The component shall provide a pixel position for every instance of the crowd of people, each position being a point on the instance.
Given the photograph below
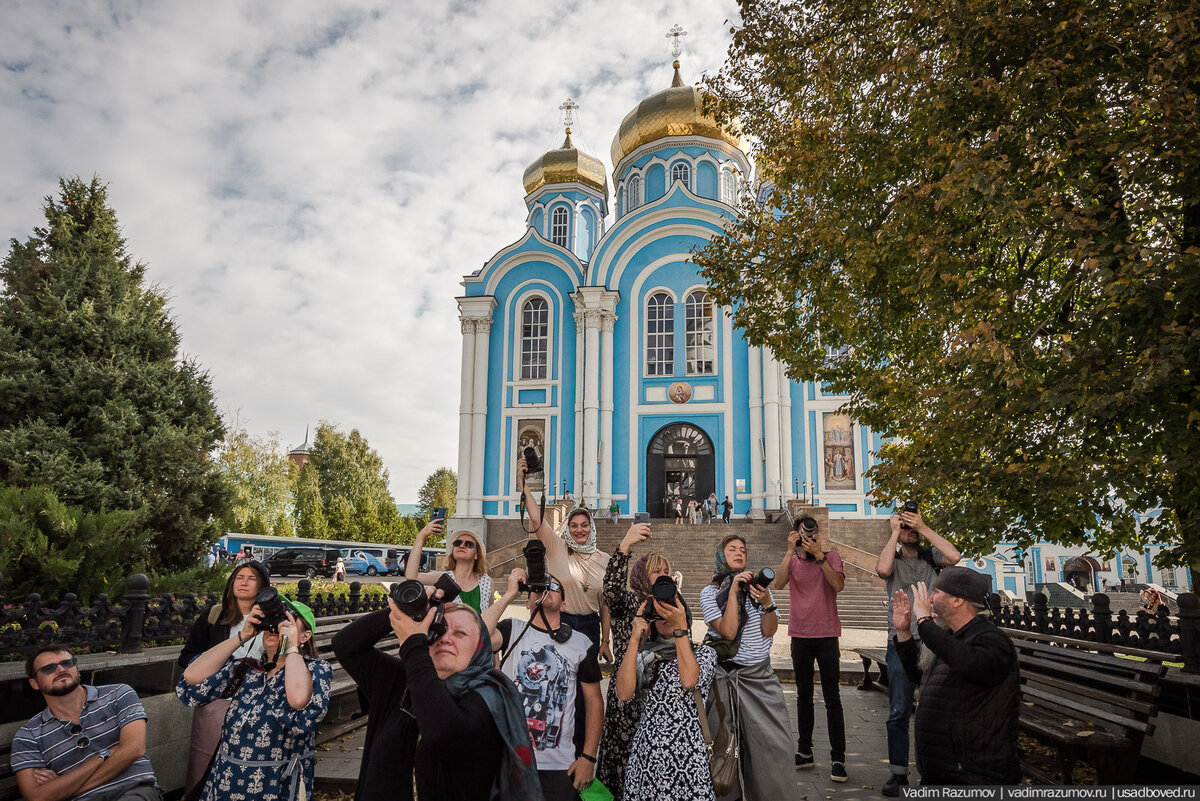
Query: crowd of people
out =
(477, 705)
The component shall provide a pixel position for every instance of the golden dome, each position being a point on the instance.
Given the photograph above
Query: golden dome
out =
(677, 111)
(564, 166)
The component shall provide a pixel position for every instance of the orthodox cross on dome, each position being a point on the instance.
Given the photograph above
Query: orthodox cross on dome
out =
(677, 33)
(568, 109)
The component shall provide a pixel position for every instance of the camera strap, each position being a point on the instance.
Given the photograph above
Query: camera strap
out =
(541, 514)
(560, 635)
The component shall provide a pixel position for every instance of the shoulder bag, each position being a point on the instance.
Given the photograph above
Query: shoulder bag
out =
(724, 763)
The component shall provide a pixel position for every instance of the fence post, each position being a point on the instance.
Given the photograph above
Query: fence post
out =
(1189, 631)
(138, 596)
(1040, 612)
(304, 591)
(355, 595)
(1102, 617)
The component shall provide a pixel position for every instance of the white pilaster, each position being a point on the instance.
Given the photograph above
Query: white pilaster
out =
(483, 327)
(591, 405)
(608, 321)
(786, 476)
(475, 314)
(770, 373)
(580, 360)
(756, 433)
(466, 401)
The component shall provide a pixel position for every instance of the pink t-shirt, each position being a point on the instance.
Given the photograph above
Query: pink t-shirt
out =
(812, 609)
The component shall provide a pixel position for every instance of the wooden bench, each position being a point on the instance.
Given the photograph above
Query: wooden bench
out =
(1086, 703)
(8, 780)
(877, 656)
(343, 686)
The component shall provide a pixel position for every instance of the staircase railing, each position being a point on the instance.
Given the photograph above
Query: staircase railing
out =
(840, 547)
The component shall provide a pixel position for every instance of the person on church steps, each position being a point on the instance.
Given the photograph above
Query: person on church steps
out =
(970, 681)
(742, 618)
(903, 563)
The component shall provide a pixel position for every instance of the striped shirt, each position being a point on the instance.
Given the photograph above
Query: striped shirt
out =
(47, 742)
(753, 647)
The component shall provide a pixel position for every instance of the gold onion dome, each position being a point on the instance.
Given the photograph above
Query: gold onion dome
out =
(677, 111)
(564, 165)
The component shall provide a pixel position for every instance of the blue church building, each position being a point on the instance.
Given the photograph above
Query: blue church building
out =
(592, 339)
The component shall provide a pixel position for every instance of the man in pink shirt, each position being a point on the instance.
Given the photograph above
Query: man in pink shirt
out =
(816, 577)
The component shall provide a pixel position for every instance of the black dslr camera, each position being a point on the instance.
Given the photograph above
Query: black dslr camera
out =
(274, 609)
(664, 591)
(533, 462)
(536, 579)
(411, 599)
(909, 506)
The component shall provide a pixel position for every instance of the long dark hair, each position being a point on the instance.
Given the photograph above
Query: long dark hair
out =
(231, 613)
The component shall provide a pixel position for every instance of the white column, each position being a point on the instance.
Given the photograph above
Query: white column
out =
(483, 327)
(591, 404)
(786, 476)
(607, 321)
(770, 390)
(465, 402)
(756, 433)
(576, 485)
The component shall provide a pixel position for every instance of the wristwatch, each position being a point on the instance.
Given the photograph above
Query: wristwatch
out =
(770, 609)
(102, 753)
(677, 633)
(821, 561)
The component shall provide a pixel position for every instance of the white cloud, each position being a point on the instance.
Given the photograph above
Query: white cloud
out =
(310, 181)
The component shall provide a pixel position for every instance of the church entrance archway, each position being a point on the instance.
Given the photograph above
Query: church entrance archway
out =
(680, 463)
(1080, 572)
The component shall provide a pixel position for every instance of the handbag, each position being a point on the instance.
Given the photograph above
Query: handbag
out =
(724, 762)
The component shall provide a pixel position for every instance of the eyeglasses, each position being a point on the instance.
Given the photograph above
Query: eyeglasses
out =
(77, 731)
(464, 544)
(52, 668)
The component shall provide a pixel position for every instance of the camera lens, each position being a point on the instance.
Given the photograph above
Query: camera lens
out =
(274, 609)
(410, 597)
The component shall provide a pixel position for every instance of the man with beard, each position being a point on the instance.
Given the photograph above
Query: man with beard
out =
(88, 743)
(970, 682)
(903, 563)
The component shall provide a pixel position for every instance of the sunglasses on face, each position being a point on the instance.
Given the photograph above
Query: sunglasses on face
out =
(52, 668)
(468, 544)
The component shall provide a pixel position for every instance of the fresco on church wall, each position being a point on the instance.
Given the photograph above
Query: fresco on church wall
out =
(839, 451)
(532, 434)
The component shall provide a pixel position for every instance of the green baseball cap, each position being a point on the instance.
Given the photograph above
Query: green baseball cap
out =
(305, 612)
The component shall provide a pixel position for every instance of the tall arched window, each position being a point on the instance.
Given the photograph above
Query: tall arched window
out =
(681, 172)
(660, 335)
(535, 338)
(558, 226)
(728, 193)
(698, 333)
(635, 192)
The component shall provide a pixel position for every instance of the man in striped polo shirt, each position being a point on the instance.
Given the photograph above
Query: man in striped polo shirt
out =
(88, 743)
(737, 610)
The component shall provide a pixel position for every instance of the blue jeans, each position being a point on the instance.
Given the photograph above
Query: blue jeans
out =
(900, 707)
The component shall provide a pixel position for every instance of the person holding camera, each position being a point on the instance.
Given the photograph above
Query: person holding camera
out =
(466, 559)
(551, 665)
(668, 757)
(217, 624)
(624, 590)
(430, 701)
(903, 564)
(814, 577)
(267, 741)
(742, 620)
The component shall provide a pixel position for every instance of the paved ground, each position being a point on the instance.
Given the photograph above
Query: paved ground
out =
(866, 745)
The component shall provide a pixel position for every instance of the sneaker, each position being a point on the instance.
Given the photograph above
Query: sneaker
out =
(892, 788)
(838, 772)
(804, 761)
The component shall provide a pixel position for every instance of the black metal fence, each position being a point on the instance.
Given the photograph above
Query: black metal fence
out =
(1179, 637)
(139, 621)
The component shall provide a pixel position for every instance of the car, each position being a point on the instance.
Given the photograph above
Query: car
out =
(392, 558)
(310, 562)
(362, 562)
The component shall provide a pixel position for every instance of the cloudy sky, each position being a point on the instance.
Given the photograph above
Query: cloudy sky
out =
(310, 180)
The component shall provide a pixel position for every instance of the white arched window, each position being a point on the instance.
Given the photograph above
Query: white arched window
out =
(683, 173)
(698, 333)
(535, 338)
(558, 226)
(660, 335)
(728, 192)
(635, 192)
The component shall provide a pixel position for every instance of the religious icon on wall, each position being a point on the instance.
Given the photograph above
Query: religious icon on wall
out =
(839, 451)
(532, 434)
(679, 392)
(1051, 565)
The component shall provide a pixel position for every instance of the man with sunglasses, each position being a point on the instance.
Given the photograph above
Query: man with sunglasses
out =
(88, 743)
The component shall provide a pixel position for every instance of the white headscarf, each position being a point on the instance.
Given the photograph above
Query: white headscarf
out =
(572, 545)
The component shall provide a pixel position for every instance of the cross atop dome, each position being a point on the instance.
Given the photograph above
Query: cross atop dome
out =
(676, 35)
(568, 109)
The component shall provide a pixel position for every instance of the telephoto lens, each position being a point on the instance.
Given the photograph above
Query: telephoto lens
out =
(410, 597)
(274, 610)
(533, 462)
(909, 506)
(763, 578)
(808, 526)
(535, 568)
(663, 590)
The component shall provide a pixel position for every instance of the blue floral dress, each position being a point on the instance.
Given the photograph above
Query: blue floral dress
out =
(265, 744)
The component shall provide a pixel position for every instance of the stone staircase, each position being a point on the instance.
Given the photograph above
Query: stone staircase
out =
(690, 548)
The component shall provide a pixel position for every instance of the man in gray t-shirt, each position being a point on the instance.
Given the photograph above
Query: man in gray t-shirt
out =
(903, 563)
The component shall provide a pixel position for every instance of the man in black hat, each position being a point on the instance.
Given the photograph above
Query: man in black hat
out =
(966, 720)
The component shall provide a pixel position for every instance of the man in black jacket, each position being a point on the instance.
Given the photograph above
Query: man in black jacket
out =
(966, 720)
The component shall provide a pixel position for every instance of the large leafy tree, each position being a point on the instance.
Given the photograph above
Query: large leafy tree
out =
(96, 402)
(438, 491)
(353, 485)
(263, 481)
(983, 227)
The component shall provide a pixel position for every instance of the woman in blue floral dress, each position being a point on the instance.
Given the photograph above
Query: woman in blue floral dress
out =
(267, 741)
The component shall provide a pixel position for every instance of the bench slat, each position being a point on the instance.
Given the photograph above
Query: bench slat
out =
(1142, 709)
(1043, 722)
(1084, 709)
(1097, 677)
(1149, 669)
